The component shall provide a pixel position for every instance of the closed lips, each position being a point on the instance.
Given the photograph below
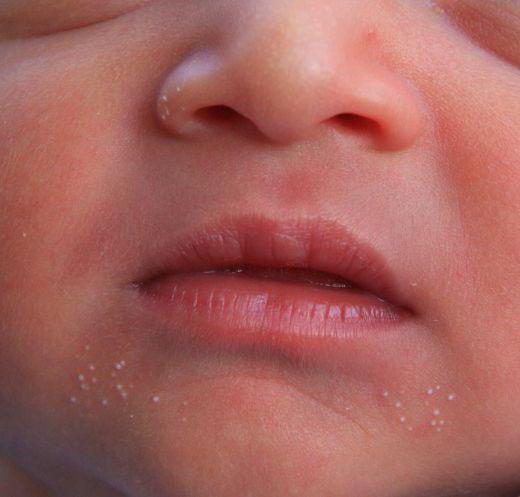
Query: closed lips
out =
(318, 245)
(304, 276)
(255, 281)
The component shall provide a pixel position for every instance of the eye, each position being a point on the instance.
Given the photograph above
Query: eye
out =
(19, 18)
(492, 24)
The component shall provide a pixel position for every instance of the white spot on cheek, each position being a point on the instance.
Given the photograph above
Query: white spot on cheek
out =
(436, 412)
(73, 399)
(402, 419)
(104, 402)
(429, 391)
(156, 399)
(92, 367)
(398, 404)
(81, 377)
(452, 396)
(385, 393)
(433, 422)
(24, 234)
(84, 386)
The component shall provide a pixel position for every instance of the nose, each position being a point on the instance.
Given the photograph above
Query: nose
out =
(289, 70)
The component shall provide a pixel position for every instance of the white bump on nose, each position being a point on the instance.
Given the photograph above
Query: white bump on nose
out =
(291, 85)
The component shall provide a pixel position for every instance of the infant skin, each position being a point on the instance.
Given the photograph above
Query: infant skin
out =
(385, 128)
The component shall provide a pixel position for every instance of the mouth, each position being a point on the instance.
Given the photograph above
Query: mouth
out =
(302, 287)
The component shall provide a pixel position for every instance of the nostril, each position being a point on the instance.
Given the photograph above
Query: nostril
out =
(357, 123)
(217, 114)
(222, 116)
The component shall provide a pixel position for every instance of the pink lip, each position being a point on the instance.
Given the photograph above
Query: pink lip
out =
(186, 286)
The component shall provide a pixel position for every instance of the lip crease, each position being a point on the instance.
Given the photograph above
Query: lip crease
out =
(198, 284)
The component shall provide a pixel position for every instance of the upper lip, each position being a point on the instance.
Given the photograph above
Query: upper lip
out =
(314, 243)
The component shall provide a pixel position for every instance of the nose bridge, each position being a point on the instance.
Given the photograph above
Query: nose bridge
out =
(283, 36)
(285, 51)
(288, 66)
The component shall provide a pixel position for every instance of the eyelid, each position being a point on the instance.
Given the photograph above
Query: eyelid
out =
(57, 21)
(493, 25)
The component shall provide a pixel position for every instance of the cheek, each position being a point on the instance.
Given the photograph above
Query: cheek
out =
(53, 168)
(484, 174)
(480, 161)
(51, 173)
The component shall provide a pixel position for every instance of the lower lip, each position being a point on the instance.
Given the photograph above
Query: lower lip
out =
(230, 310)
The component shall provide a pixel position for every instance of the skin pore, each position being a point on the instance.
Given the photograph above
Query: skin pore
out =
(125, 121)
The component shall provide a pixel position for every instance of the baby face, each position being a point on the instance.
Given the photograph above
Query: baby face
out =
(373, 138)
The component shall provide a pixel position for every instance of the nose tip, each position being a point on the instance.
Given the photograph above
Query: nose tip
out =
(290, 91)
